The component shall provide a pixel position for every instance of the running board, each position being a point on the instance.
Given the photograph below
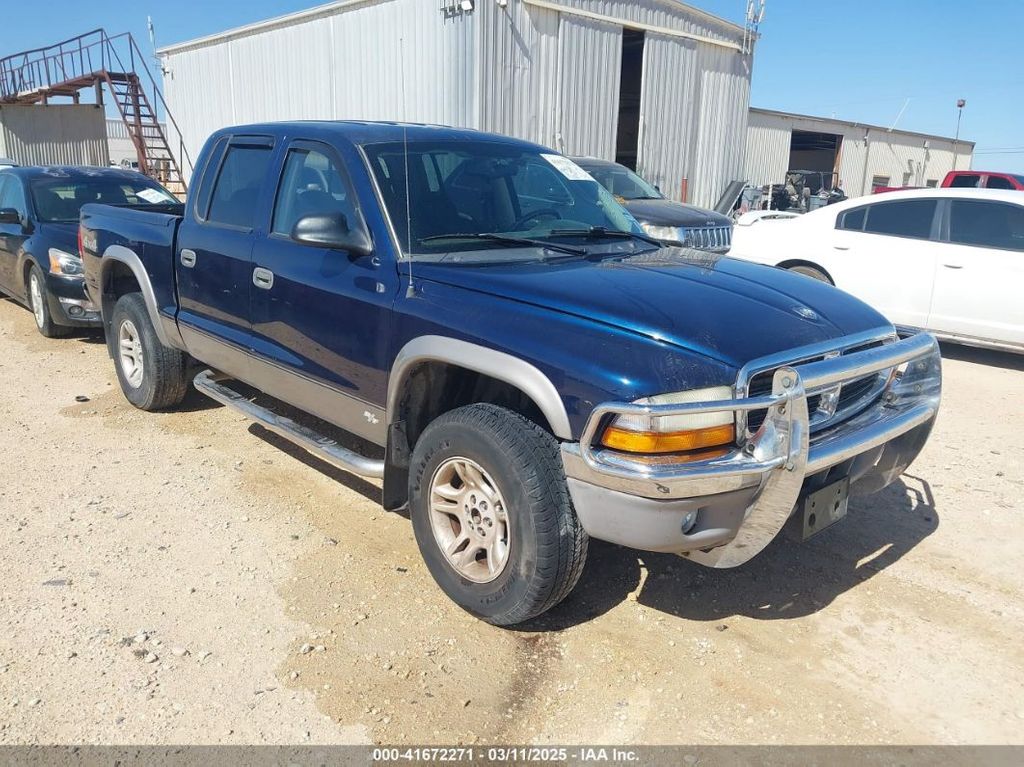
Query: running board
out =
(306, 438)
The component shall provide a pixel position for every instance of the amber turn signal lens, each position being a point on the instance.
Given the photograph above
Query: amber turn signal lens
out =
(670, 442)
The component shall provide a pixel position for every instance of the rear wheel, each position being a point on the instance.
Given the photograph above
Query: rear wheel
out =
(152, 376)
(492, 515)
(812, 272)
(39, 303)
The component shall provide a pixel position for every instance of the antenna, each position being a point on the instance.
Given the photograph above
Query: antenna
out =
(754, 17)
(410, 290)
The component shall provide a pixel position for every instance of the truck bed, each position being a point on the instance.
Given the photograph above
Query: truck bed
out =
(150, 233)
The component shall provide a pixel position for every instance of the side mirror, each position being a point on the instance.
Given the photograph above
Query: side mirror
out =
(9, 216)
(331, 230)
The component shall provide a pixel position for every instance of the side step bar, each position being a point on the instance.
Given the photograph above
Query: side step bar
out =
(306, 438)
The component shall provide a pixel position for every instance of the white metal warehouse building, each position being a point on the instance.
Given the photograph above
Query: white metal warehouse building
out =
(652, 83)
(864, 156)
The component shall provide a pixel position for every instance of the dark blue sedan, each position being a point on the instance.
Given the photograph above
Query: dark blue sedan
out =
(39, 262)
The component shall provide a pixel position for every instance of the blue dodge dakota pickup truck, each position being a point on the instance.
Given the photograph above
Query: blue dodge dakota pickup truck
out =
(535, 370)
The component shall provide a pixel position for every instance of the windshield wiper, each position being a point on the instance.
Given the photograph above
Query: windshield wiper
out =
(508, 240)
(600, 231)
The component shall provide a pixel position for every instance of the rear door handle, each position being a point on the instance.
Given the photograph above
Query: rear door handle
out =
(840, 247)
(188, 258)
(262, 278)
(954, 266)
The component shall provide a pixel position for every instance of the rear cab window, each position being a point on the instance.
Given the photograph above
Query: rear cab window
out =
(965, 181)
(240, 179)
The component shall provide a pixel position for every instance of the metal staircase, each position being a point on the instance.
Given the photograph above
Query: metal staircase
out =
(93, 60)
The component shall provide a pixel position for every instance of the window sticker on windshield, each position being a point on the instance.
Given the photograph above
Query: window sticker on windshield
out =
(568, 168)
(153, 196)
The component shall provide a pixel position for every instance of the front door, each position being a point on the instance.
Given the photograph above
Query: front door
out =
(214, 258)
(980, 271)
(320, 315)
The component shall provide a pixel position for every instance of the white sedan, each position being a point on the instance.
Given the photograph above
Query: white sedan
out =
(947, 260)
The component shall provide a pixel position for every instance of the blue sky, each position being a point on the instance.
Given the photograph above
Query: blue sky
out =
(857, 61)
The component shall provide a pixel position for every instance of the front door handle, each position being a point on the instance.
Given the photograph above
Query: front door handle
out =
(188, 258)
(954, 266)
(840, 247)
(262, 278)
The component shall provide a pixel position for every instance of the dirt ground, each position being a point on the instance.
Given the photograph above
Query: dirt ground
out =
(189, 578)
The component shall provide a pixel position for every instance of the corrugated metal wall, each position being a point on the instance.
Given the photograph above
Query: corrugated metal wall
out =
(668, 133)
(540, 73)
(589, 60)
(553, 77)
(57, 134)
(865, 152)
(386, 61)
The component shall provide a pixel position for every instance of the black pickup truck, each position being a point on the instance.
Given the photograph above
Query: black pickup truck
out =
(536, 370)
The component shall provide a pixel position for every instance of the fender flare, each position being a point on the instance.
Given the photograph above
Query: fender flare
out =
(481, 359)
(128, 257)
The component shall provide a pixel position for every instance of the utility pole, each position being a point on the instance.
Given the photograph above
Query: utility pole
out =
(960, 104)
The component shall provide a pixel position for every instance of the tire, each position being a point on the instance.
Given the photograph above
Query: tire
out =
(810, 271)
(152, 376)
(39, 303)
(545, 545)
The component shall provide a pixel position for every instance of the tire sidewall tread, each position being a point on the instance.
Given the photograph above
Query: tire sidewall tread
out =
(164, 381)
(548, 545)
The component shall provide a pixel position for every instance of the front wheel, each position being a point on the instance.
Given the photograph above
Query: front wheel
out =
(492, 515)
(39, 303)
(152, 376)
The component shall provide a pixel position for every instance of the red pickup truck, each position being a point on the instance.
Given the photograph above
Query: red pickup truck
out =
(978, 179)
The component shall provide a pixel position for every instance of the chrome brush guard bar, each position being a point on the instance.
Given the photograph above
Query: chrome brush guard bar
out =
(780, 456)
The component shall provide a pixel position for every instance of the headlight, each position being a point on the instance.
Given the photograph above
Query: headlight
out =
(64, 263)
(696, 436)
(665, 233)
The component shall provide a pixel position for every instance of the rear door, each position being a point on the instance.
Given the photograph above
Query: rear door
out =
(884, 254)
(214, 258)
(12, 236)
(980, 271)
(319, 315)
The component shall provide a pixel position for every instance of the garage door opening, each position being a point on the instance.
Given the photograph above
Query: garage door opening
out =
(630, 84)
(816, 152)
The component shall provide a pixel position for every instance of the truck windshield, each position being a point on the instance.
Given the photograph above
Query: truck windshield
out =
(488, 196)
(623, 183)
(59, 199)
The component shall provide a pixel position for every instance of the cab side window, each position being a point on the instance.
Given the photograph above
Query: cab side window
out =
(312, 184)
(987, 224)
(998, 182)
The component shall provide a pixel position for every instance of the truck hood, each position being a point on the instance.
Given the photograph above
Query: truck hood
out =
(669, 213)
(727, 310)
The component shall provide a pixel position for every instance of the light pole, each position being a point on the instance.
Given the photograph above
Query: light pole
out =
(960, 104)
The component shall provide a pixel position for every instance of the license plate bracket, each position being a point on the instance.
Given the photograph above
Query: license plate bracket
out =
(825, 507)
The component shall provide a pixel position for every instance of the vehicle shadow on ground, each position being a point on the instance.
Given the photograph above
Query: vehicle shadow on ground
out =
(990, 357)
(357, 484)
(789, 579)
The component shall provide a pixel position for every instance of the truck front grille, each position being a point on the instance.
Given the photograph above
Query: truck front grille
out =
(717, 238)
(854, 395)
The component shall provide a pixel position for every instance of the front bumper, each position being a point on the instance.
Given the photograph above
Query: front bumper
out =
(70, 304)
(732, 507)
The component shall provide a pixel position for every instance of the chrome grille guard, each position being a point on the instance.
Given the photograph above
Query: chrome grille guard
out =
(781, 455)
